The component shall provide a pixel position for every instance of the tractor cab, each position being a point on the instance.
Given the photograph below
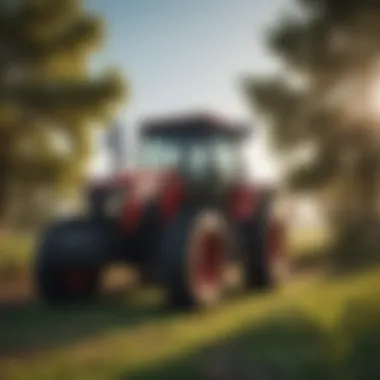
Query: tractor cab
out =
(200, 150)
(203, 149)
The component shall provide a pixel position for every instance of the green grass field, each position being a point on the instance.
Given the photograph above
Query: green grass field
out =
(311, 329)
(322, 328)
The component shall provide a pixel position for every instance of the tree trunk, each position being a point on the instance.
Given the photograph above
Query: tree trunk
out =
(368, 188)
(5, 172)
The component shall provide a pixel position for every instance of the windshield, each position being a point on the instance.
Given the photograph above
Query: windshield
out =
(193, 156)
(159, 153)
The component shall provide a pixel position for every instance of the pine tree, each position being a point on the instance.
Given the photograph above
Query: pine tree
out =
(49, 100)
(330, 51)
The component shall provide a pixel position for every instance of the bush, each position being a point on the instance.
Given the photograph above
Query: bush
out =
(356, 245)
(15, 254)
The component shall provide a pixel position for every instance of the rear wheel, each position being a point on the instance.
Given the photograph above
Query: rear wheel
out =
(266, 264)
(194, 253)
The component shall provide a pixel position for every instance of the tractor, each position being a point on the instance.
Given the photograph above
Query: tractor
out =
(181, 219)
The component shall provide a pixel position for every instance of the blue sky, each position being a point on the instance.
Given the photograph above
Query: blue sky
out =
(185, 54)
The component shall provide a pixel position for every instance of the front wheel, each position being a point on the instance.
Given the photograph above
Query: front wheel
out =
(193, 259)
(66, 282)
(69, 261)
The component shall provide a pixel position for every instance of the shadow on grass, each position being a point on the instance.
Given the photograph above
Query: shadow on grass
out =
(29, 326)
(360, 330)
(289, 346)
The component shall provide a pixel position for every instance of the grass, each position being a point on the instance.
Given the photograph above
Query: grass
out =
(319, 329)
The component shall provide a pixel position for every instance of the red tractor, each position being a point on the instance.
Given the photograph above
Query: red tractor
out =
(182, 219)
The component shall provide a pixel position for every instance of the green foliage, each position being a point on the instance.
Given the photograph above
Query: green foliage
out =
(330, 50)
(15, 255)
(47, 93)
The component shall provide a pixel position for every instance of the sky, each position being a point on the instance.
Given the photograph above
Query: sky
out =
(183, 55)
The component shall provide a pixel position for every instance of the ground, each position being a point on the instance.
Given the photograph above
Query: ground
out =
(314, 327)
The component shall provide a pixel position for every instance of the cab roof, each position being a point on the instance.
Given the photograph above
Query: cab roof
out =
(202, 124)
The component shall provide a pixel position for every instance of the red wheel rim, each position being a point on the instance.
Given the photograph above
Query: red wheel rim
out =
(209, 263)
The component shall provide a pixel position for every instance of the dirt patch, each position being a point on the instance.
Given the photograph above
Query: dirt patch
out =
(17, 290)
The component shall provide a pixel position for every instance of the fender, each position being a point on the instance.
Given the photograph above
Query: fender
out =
(172, 198)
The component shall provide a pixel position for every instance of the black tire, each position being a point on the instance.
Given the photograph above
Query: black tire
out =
(56, 257)
(177, 258)
(262, 271)
(52, 288)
